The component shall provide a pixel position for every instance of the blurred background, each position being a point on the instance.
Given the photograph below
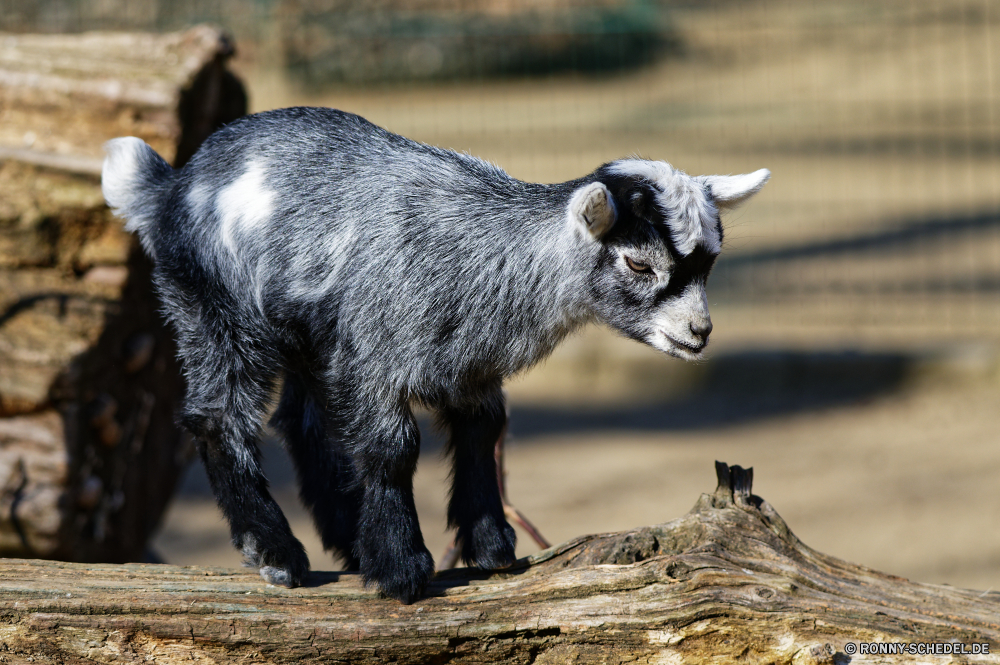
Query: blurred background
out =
(854, 362)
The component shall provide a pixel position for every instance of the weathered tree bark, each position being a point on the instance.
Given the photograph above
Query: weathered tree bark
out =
(89, 454)
(727, 582)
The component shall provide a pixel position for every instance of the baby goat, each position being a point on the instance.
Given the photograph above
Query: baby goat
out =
(374, 272)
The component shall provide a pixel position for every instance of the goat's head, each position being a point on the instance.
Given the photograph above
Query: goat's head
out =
(656, 234)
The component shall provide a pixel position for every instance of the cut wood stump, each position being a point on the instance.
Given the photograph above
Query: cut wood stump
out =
(728, 582)
(89, 454)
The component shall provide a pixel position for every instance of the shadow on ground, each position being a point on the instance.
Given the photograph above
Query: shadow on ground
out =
(735, 389)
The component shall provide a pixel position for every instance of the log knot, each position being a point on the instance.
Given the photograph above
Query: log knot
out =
(735, 485)
(734, 491)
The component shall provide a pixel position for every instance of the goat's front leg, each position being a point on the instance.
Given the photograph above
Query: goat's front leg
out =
(476, 508)
(389, 545)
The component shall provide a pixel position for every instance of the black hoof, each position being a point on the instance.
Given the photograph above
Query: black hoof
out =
(489, 544)
(281, 576)
(282, 565)
(403, 580)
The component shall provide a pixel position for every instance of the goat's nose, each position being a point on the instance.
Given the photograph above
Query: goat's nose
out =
(702, 330)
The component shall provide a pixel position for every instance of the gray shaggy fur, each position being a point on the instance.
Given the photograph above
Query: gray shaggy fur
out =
(372, 272)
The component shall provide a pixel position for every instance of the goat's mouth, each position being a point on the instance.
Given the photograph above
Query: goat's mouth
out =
(683, 350)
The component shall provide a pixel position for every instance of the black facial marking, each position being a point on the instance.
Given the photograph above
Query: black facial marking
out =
(643, 202)
(696, 266)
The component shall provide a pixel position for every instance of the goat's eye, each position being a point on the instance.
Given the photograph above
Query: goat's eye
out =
(639, 266)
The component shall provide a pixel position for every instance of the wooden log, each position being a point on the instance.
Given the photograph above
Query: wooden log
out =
(727, 582)
(89, 454)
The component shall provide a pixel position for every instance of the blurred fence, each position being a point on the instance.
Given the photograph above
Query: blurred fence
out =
(330, 41)
(881, 225)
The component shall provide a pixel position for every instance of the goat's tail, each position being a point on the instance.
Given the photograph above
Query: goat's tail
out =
(134, 179)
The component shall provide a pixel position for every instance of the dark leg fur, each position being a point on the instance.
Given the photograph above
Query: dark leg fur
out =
(390, 546)
(475, 509)
(327, 482)
(228, 389)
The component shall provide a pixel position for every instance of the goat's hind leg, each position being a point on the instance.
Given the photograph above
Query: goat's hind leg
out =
(327, 482)
(228, 390)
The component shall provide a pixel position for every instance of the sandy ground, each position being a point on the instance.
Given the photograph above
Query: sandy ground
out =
(878, 234)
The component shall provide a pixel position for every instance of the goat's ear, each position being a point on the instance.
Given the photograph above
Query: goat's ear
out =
(728, 191)
(593, 210)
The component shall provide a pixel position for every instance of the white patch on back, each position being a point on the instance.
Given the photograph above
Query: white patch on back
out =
(245, 205)
(695, 217)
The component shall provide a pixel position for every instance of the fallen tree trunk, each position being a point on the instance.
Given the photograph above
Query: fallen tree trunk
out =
(728, 581)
